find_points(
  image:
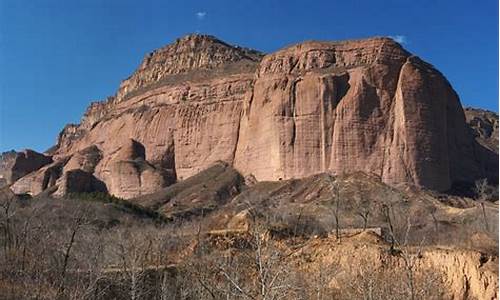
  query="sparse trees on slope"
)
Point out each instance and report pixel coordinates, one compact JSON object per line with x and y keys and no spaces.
{"x":267,"y":263}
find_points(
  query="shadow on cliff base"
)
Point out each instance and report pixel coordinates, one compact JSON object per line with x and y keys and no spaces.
{"x":487,"y":160}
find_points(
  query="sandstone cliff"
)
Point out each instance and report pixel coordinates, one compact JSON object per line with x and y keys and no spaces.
{"x":365,"y":105}
{"x":484,"y":125}
{"x":14,"y":165}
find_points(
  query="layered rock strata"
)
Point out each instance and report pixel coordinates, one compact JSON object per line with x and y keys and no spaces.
{"x":365,"y":105}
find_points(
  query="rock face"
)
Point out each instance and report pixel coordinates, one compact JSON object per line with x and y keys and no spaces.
{"x":365,"y":105}
{"x":78,"y":181}
{"x":14,"y":165}
{"x":484,"y":125}
{"x":40,"y":180}
{"x":6,"y":161}
{"x":130,"y":174}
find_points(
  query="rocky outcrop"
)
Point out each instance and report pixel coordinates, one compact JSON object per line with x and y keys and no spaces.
{"x":78,"y":181}
{"x":365,"y":105}
{"x":6,"y":161}
{"x":484,"y":127}
{"x":128,"y":174}
{"x":86,"y":160}
{"x":14,"y":165}
{"x":41,"y":179}
{"x":190,"y":53}
{"x":58,"y":173}
{"x":197,"y":195}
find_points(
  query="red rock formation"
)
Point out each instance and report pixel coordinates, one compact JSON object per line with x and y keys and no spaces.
{"x":127,"y":174}
{"x":6,"y":162}
{"x":78,"y":181}
{"x":41,"y":179}
{"x":365,"y":105}
{"x":14,"y":165}
{"x":484,"y":125}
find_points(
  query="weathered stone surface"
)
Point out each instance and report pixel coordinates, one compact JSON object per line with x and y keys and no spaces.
{"x":484,"y":127}
{"x":365,"y":105}
{"x":86,"y":160}
{"x":484,"y":124}
{"x":6,"y":161}
{"x":55,"y":173}
{"x":78,"y":181}
{"x":40,"y":180}
{"x":128,"y":174}
{"x":190,"y":53}
{"x":14,"y":165}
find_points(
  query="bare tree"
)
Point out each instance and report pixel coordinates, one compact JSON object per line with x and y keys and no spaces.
{"x":133,"y":252}
{"x":7,"y":199}
{"x":335,"y":207}
{"x":363,"y":209}
{"x":75,"y":228}
{"x":365,"y":281}
{"x":432,"y":210}
{"x":400,"y":246}
{"x":318,"y":280}
{"x":386,"y":212}
{"x":273,"y":278}
{"x":481,"y":189}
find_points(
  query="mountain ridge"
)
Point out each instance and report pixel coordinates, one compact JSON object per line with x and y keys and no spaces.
{"x":363,"y":105}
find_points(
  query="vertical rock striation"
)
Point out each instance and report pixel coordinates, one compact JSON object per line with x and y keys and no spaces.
{"x":365,"y":105}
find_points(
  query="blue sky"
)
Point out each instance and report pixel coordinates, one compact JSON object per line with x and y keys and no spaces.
{"x":57,"y":56}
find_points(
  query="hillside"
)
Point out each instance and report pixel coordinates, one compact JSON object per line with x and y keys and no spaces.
{"x":199,"y":238}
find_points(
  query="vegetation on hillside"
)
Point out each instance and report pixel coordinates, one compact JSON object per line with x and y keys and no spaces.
{"x":322,"y":237}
